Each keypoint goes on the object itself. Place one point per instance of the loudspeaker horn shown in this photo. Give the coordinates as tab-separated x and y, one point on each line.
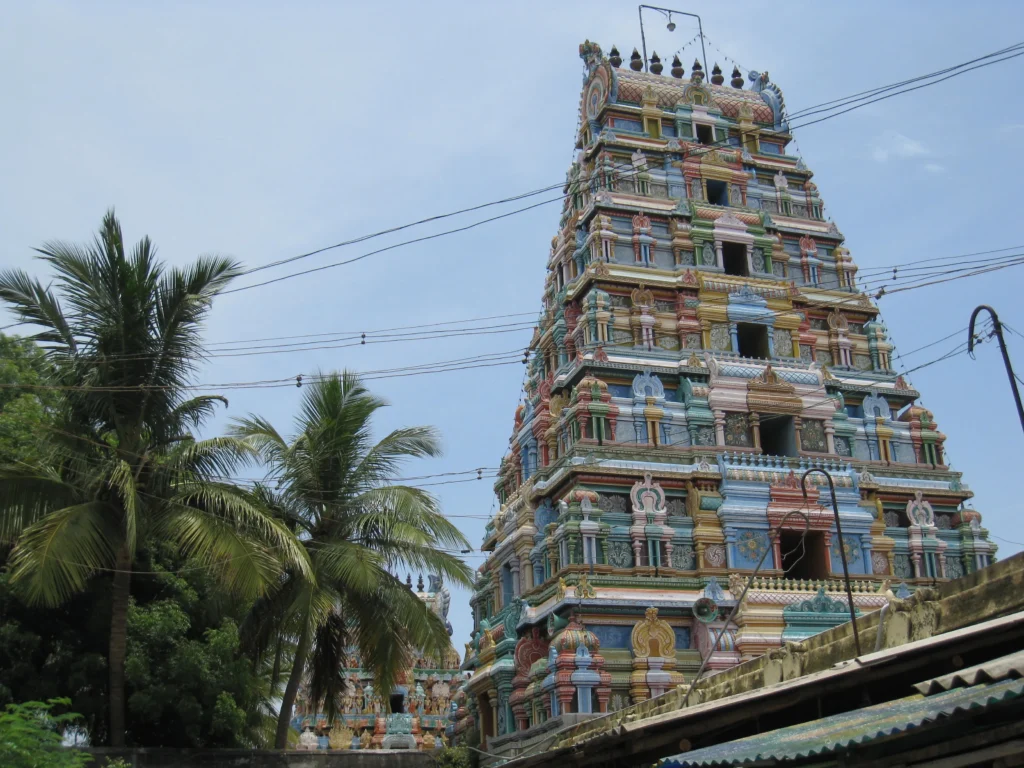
705	610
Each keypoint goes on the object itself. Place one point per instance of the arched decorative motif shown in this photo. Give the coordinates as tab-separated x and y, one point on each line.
837	321
696	94
653	644
920	511
652	636
651	537
875	406
529	649
647	384
647	496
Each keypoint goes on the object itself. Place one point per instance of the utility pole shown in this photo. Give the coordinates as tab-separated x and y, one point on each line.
997	329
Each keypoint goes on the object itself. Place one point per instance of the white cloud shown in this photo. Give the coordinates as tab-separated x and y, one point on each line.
934	168
1012	127
894	144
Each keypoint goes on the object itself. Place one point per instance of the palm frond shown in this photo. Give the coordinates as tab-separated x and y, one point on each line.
245	526
326	683
389	625
27	494
245	567
262	437
196	411
210	459
386	457
358	567
56	556
122	479
38	305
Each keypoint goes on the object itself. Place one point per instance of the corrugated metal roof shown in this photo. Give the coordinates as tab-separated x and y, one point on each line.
610	730
838	732
1011	666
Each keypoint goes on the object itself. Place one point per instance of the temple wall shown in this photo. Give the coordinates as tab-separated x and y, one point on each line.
259	758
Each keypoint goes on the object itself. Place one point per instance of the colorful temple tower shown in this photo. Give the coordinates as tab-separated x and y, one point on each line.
412	716
703	342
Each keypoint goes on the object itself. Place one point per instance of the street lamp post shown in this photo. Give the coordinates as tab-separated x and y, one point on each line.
842	549
669	11
997	329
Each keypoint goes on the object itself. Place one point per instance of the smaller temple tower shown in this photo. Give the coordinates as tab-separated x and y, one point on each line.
414	715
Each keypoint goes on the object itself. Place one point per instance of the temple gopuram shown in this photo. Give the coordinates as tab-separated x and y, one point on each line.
413	715
703	342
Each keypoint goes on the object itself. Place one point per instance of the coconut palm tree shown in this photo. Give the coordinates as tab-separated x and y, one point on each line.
123	335
335	488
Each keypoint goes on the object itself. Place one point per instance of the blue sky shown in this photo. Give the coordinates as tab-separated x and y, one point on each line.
262	131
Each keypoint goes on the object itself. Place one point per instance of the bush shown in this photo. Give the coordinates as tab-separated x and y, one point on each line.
453	757
31	736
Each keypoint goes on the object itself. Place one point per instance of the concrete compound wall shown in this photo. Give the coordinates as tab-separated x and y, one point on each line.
256	758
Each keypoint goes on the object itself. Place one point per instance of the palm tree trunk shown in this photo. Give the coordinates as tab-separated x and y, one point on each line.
119	644
284	719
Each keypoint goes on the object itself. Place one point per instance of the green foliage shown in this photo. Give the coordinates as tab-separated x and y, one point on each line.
334	486
26	410
183	648
453	757
31	736
187	691
57	652
120	467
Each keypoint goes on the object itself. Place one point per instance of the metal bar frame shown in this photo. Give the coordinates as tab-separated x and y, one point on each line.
700	28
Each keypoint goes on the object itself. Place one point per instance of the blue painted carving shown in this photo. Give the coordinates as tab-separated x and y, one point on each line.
611	635
750	547
809	617
620	390
682	637
875	405
683	557
772	96
820	603
647	384
544	514
902	567
713	590
854	554
746	306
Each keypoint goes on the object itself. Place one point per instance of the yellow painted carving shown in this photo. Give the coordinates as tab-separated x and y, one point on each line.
653	637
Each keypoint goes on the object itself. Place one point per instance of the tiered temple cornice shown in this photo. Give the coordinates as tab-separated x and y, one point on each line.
703	342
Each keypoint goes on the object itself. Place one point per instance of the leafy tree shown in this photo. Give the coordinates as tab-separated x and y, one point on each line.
25	406
188	683
122	334
177	623
31	737
49	653
335	488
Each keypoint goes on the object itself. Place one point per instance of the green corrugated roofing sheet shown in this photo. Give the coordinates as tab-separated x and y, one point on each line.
838	732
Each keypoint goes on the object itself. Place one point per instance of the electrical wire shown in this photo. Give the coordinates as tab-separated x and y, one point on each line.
380	330
710	147
479	361
387	335
836	103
